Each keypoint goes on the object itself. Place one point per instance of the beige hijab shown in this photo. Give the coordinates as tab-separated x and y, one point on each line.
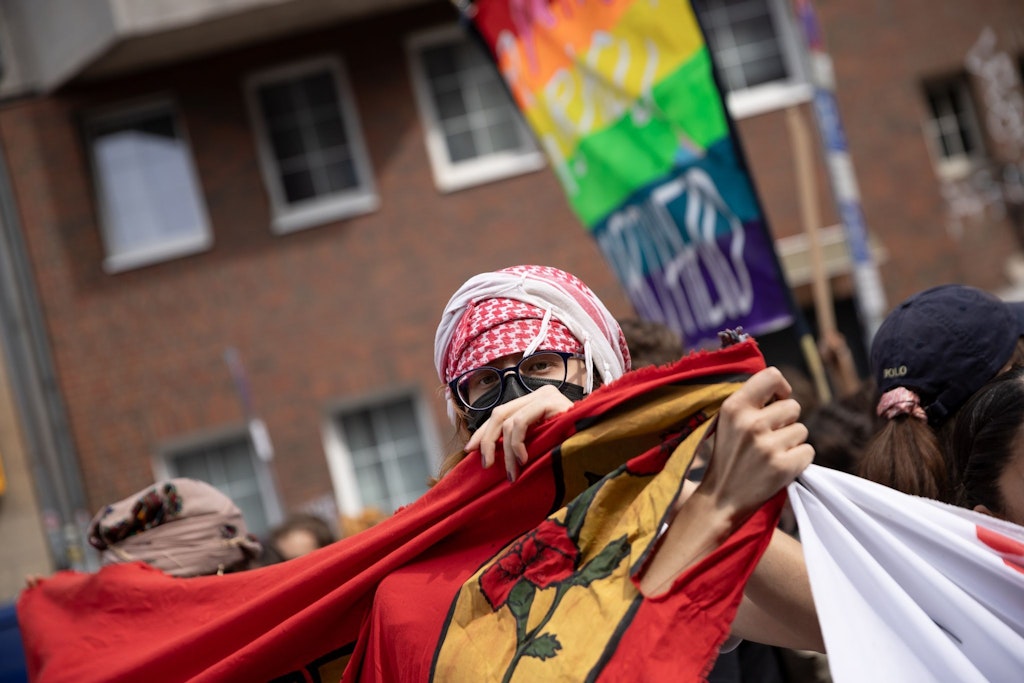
183	527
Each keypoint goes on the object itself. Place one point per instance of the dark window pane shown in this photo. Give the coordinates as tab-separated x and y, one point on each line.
358	430
341	175
159	126
493	94
450	103
287	143
470	55
503	137
461	146
414	473
276	100
298	186
966	138
319	90
330	132
439	61
764	71
742	37
755	29
372	486
401	417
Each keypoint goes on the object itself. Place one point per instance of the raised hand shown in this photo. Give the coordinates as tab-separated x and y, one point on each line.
510	421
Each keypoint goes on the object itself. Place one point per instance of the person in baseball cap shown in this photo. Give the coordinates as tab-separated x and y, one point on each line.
930	355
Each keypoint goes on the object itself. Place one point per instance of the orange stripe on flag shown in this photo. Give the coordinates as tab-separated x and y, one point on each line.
541	50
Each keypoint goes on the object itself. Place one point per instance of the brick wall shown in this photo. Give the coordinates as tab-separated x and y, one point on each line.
330	313
345	309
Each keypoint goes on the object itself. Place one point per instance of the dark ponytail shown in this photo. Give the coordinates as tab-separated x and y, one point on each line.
907	455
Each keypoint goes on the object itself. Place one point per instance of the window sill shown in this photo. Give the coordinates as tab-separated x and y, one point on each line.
767	98
452	178
137	258
958	167
320	211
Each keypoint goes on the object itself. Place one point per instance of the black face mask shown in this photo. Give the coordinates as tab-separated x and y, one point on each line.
511	389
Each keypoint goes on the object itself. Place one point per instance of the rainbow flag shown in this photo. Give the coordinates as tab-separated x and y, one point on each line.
621	95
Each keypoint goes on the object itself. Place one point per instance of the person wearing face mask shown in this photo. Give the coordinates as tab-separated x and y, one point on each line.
444	589
520	345
526	337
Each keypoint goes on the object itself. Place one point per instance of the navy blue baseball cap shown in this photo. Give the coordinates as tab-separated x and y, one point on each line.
944	343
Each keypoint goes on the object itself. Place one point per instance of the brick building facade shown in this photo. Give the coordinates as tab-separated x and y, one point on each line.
332	310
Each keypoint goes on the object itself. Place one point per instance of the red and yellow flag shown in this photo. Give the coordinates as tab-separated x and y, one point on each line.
477	580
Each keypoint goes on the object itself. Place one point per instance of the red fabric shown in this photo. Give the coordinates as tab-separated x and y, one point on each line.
383	594
496	328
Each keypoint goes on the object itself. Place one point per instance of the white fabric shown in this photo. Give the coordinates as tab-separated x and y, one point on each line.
597	329
904	587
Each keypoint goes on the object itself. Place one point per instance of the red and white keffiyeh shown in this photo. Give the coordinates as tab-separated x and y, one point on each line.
520	310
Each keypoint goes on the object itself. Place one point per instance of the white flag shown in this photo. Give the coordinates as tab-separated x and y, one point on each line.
910	589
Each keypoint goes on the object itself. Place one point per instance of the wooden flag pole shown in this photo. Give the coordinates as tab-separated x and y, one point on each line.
832	344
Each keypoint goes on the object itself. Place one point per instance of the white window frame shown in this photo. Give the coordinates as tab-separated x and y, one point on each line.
164	468
315	211
961	165
449	176
348	498
780	94
202	240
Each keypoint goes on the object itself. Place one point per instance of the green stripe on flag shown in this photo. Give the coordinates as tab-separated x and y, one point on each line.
612	164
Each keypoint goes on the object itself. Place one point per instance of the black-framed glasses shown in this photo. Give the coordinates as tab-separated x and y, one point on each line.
480	388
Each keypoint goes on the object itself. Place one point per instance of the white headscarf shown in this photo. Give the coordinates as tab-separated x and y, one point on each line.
562	296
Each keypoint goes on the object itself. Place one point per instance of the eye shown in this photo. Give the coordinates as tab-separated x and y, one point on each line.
482	380
537	366
542	365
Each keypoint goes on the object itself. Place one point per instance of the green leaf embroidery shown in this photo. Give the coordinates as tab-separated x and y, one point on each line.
577	510
543	647
520	600
604	564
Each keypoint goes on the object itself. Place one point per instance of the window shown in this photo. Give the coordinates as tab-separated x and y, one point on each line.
228	462
151	205
757	52
475	133
378	453
952	126
315	166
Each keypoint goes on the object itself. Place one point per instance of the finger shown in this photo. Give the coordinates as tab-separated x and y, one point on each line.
790	436
473	443
780	413
802	456
514	436
486	453
511	466
763	388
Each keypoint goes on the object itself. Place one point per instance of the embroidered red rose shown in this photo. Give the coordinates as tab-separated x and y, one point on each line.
543	557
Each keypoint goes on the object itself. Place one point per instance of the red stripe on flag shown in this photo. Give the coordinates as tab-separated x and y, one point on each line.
1004	546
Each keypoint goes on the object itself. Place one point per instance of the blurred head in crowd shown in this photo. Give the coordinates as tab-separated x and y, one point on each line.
301	534
650	342
183	527
988	444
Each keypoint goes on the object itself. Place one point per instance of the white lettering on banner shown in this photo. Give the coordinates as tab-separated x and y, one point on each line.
646	238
